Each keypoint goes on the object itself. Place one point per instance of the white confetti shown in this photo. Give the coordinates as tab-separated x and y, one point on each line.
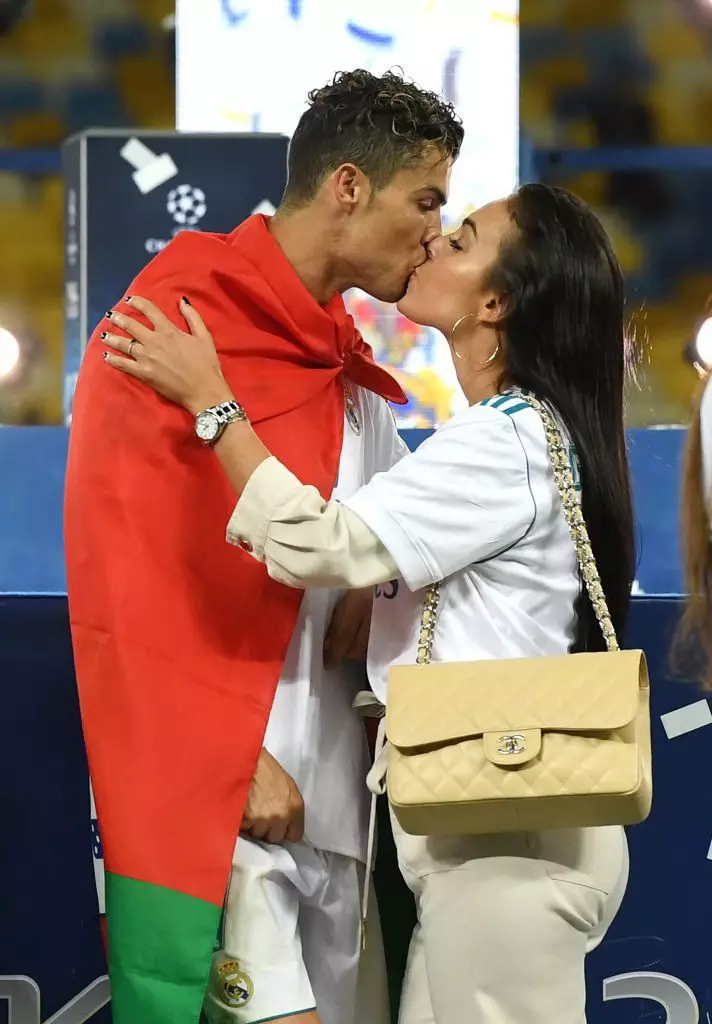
687	719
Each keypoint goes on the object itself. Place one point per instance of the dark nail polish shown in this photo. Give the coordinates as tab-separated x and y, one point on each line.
106	355
109	314
103	335
186	300
129	297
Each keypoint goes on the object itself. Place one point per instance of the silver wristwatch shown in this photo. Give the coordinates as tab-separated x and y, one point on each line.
209	425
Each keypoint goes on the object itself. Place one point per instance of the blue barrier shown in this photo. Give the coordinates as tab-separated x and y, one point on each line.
30	510
621	158
49	920
661	936
30	161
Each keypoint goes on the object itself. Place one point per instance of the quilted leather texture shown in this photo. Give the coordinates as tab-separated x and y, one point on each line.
444	701
593	765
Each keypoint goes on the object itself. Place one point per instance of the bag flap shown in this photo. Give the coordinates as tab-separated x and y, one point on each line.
451	701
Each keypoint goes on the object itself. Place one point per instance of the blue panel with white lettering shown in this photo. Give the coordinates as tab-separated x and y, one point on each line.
52	960
654	963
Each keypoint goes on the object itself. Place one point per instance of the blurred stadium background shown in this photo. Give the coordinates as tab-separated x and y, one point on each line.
64	66
605	84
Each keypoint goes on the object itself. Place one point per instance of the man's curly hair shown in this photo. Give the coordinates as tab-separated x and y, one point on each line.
380	124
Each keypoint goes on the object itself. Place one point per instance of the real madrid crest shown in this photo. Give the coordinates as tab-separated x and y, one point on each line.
236	986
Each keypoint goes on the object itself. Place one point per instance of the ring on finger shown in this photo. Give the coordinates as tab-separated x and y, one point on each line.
130	348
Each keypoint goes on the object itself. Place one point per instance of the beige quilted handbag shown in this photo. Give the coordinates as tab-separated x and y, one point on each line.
522	744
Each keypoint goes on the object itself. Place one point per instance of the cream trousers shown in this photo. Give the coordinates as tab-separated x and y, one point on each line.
505	923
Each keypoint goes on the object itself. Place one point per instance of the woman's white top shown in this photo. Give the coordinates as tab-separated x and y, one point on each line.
476	506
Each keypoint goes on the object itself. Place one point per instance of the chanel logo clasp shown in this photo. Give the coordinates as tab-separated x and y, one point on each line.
511	743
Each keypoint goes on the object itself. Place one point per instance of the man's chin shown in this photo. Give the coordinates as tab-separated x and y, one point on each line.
392	297
391	293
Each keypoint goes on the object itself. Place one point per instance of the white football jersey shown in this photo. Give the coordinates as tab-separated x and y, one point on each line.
476	506
313	731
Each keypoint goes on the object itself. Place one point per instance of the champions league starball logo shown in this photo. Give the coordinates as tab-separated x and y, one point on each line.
187	205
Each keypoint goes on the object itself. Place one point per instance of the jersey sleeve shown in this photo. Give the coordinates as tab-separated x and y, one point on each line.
462	497
304	540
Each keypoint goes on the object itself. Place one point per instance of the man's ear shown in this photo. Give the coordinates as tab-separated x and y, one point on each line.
350	186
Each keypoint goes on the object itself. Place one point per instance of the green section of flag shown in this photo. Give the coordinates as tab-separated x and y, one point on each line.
160	946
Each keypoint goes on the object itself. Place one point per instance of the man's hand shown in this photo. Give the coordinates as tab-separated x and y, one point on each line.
347	635
275	810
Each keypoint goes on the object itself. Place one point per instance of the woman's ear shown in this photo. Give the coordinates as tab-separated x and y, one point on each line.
494	309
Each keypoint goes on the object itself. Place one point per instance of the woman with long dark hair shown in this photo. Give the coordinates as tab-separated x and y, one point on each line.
530	297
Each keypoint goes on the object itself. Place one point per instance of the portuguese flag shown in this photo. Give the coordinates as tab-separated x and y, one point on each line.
179	638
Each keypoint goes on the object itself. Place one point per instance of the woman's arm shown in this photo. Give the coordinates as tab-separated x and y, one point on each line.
463	497
303	540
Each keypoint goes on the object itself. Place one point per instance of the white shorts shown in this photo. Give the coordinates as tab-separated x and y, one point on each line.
291	940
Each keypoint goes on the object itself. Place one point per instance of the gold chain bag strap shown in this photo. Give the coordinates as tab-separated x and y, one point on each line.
522	744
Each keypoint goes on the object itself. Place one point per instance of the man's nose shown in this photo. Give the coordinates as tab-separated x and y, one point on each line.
433	227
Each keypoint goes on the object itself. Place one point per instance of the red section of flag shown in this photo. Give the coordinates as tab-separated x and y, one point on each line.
179	639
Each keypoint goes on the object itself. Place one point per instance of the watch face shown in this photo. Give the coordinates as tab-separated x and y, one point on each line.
207	426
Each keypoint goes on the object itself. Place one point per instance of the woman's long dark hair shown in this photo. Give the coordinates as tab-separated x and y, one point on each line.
565	331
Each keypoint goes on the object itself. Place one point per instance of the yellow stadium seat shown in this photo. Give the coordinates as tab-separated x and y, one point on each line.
40	399
559	72
581	133
589	186
30	251
48	321
534	99
148	90
695	291
540	13
42	39
703	107
676	114
674	41
153	11
629	251
670	326
52	195
535	111
36	130
583	14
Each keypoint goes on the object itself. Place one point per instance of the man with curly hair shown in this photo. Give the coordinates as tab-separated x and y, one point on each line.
188	656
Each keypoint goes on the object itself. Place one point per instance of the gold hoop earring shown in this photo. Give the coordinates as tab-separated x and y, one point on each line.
460	321
462	359
472	362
